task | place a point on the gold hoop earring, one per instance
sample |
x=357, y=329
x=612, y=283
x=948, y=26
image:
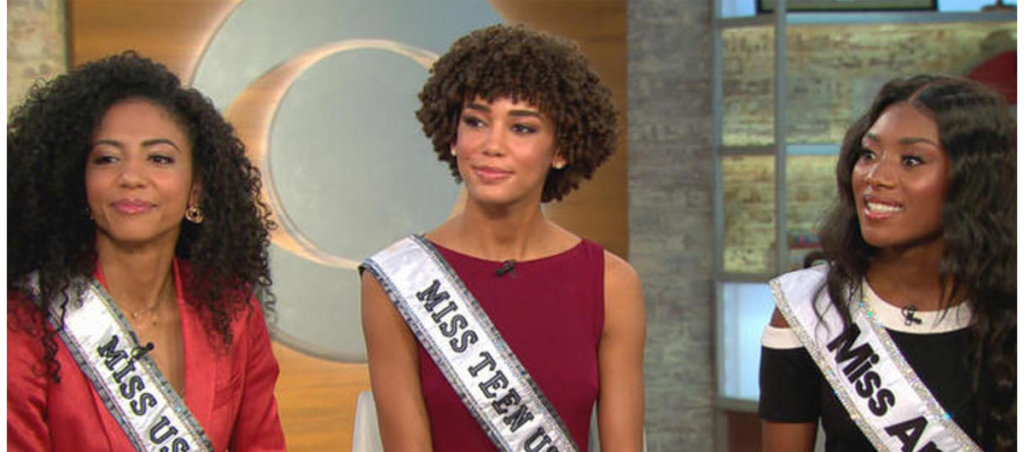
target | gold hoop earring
x=193, y=214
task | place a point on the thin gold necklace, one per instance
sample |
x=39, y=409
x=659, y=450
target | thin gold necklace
x=138, y=314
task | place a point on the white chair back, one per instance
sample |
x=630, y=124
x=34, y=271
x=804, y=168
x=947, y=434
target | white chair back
x=365, y=433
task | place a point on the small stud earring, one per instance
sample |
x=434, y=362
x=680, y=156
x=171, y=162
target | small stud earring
x=454, y=154
x=558, y=165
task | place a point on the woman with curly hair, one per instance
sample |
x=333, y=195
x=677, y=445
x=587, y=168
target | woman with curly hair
x=136, y=247
x=499, y=329
x=906, y=338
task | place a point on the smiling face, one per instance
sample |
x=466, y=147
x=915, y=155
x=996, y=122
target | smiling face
x=504, y=151
x=138, y=174
x=900, y=180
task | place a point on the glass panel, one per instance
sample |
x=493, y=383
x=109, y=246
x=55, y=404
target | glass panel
x=969, y=5
x=746, y=309
x=748, y=84
x=748, y=184
x=834, y=71
x=738, y=8
x=810, y=191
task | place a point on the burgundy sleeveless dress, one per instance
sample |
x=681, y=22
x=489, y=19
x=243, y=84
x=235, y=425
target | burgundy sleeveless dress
x=550, y=311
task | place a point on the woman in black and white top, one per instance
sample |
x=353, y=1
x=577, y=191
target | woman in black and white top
x=923, y=238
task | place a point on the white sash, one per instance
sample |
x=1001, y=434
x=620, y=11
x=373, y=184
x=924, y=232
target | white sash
x=880, y=391
x=468, y=349
x=131, y=386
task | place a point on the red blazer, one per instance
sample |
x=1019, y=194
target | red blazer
x=230, y=394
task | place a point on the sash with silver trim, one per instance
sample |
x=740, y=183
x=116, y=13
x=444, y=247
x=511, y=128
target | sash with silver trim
x=880, y=391
x=456, y=332
x=131, y=386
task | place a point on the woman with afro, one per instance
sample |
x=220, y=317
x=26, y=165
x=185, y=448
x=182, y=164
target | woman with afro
x=129, y=195
x=520, y=118
x=920, y=253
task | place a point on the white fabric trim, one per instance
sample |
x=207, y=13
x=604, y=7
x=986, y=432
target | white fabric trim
x=467, y=348
x=932, y=322
x=131, y=386
x=780, y=338
x=880, y=391
x=365, y=432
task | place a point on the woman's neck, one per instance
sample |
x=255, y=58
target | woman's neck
x=137, y=277
x=502, y=233
x=910, y=276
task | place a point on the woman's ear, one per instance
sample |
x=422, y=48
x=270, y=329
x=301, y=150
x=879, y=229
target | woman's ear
x=196, y=193
x=559, y=161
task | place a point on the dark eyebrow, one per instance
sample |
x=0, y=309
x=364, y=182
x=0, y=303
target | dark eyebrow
x=915, y=140
x=116, y=144
x=519, y=112
x=145, y=143
x=156, y=141
x=903, y=141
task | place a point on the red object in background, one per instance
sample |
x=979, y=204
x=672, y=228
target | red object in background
x=999, y=73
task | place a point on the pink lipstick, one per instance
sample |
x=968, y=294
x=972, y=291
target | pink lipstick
x=131, y=206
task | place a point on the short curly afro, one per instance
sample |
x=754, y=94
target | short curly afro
x=547, y=71
x=50, y=234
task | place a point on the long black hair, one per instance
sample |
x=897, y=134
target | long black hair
x=49, y=233
x=979, y=228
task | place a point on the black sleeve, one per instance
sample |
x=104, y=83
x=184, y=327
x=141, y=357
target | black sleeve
x=790, y=386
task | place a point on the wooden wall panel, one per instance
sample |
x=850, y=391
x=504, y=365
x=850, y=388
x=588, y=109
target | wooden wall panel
x=744, y=431
x=173, y=32
x=318, y=400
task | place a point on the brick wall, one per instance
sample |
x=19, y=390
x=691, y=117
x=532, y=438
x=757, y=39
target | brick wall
x=670, y=214
x=834, y=71
x=749, y=192
x=36, y=45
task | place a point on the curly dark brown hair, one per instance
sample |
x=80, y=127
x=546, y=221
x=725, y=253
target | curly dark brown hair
x=547, y=71
x=49, y=233
x=979, y=230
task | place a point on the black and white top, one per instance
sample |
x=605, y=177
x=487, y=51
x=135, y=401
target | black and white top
x=794, y=390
